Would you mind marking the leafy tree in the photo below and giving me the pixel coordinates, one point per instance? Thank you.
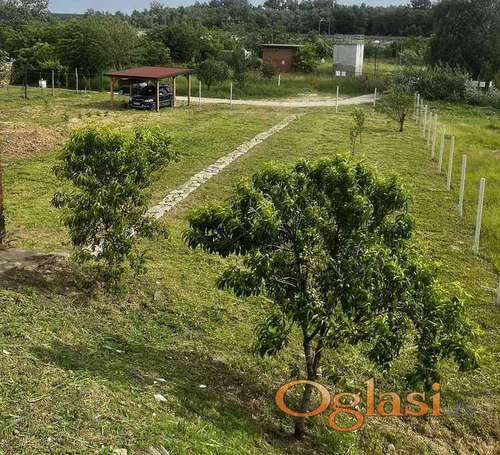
(421, 4)
(357, 128)
(463, 31)
(239, 63)
(268, 71)
(330, 245)
(23, 10)
(396, 103)
(106, 209)
(213, 71)
(97, 43)
(152, 52)
(306, 59)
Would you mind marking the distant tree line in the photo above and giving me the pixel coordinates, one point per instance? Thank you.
(462, 33)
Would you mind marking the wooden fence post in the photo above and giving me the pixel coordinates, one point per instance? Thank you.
(279, 80)
(375, 97)
(432, 124)
(426, 110)
(479, 216)
(76, 80)
(199, 93)
(462, 186)
(337, 102)
(450, 163)
(417, 108)
(434, 141)
(53, 89)
(441, 150)
(231, 93)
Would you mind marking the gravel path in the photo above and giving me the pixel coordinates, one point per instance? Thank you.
(293, 102)
(182, 192)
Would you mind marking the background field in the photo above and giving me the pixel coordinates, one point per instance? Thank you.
(81, 369)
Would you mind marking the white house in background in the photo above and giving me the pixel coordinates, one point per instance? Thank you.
(348, 54)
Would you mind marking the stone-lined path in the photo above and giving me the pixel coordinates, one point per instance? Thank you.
(182, 192)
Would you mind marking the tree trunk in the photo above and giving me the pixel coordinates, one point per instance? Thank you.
(312, 362)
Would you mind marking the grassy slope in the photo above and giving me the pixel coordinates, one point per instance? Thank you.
(63, 389)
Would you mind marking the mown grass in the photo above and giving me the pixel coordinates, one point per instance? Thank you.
(477, 133)
(81, 369)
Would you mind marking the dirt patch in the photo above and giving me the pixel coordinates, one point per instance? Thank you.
(28, 140)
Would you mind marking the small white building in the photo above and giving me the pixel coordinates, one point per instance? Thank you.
(348, 54)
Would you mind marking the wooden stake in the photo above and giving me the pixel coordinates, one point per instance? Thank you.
(479, 216)
(417, 108)
(375, 97)
(432, 122)
(76, 79)
(53, 89)
(426, 110)
(112, 91)
(434, 139)
(158, 95)
(175, 94)
(462, 186)
(450, 163)
(441, 150)
(199, 93)
(337, 102)
(189, 89)
(231, 93)
(279, 80)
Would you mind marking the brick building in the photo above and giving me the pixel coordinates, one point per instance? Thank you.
(281, 56)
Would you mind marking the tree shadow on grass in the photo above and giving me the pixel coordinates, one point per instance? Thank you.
(50, 273)
(230, 400)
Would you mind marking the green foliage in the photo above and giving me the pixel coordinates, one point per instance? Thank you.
(19, 11)
(240, 64)
(213, 71)
(330, 245)
(307, 59)
(105, 209)
(439, 82)
(358, 116)
(97, 43)
(467, 35)
(151, 52)
(397, 104)
(268, 71)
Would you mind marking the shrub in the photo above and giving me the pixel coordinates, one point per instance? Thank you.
(397, 104)
(436, 82)
(213, 71)
(268, 71)
(306, 60)
(477, 96)
(357, 129)
(106, 208)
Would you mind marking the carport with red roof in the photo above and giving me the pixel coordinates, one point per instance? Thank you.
(150, 73)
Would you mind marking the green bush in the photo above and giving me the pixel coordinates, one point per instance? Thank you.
(436, 82)
(105, 205)
(212, 71)
(268, 71)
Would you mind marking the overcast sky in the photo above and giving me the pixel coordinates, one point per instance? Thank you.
(80, 6)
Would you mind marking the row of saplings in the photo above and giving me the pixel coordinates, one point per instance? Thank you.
(329, 243)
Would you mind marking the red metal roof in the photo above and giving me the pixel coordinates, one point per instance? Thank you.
(150, 72)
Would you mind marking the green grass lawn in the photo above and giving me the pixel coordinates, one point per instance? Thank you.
(82, 369)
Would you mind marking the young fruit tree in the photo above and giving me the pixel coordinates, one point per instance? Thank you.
(212, 71)
(330, 245)
(397, 104)
(357, 128)
(105, 207)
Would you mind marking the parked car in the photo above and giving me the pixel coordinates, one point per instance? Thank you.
(146, 98)
(125, 89)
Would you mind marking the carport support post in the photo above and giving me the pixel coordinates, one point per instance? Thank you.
(131, 88)
(189, 89)
(112, 91)
(175, 92)
(158, 94)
